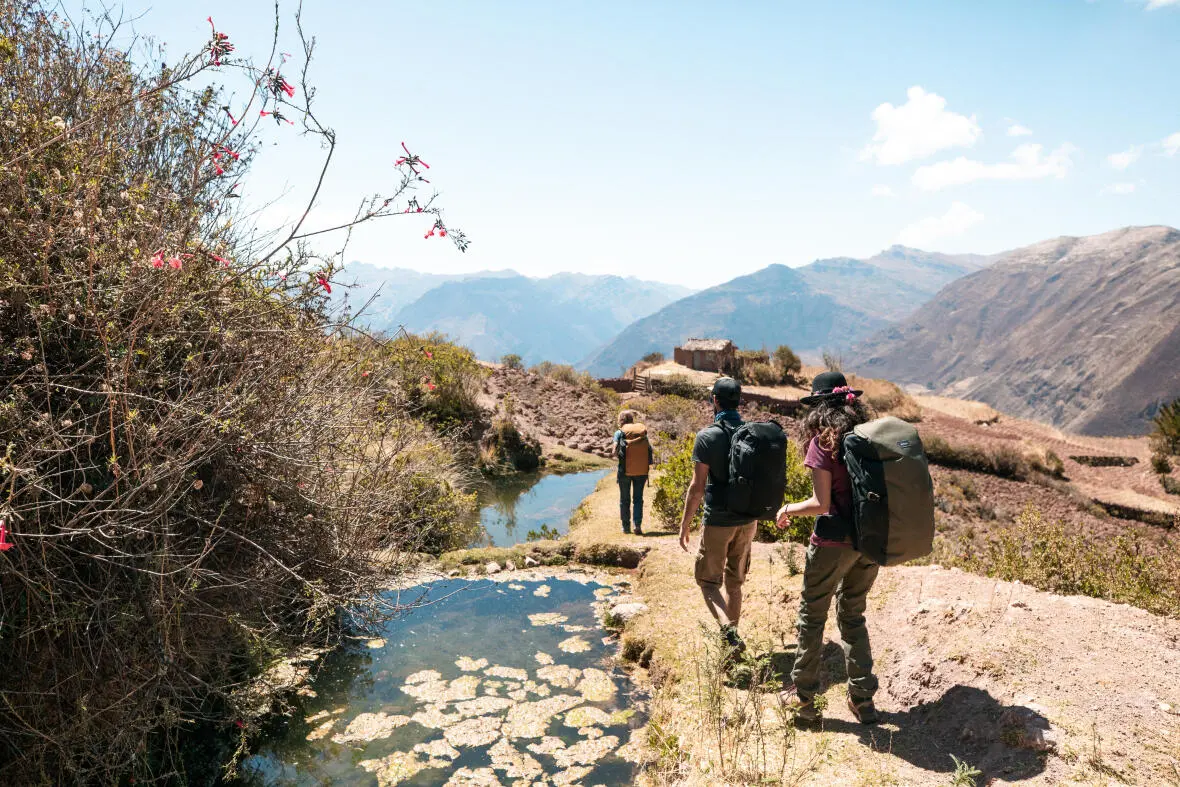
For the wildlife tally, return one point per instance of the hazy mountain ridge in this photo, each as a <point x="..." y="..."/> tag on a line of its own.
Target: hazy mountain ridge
<point x="1083" y="333"/>
<point x="559" y="318"/>
<point x="829" y="303"/>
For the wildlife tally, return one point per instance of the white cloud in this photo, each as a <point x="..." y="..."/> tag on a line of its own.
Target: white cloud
<point x="1172" y="144"/>
<point x="883" y="191"/>
<point x="1125" y="158"/>
<point x="1017" y="130"/>
<point x="922" y="233"/>
<point x="1119" y="188"/>
<point x="1028" y="162"/>
<point x="1154" y="4"/>
<point x="918" y="129"/>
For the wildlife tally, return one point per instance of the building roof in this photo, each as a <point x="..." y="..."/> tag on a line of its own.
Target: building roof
<point x="707" y="345"/>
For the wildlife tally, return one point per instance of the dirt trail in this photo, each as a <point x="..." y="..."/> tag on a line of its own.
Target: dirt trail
<point x="1027" y="687"/>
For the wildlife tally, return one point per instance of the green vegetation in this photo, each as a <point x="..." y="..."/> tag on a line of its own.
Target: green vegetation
<point x="504" y="448"/>
<point x="654" y="357"/>
<point x="1165" y="437"/>
<point x="1127" y="569"/>
<point x="788" y="364"/>
<point x="546" y="533"/>
<point x="680" y="385"/>
<point x="964" y="774"/>
<point x="1161" y="464"/>
<point x="203" y="471"/>
<point x="512" y="361"/>
<point x="761" y="374"/>
<point x="571" y="376"/>
<point x="1170" y="485"/>
<point x="676" y="475"/>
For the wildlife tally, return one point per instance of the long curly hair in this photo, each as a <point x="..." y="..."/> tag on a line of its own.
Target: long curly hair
<point x="832" y="419"/>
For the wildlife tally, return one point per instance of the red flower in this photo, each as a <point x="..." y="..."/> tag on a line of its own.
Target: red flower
<point x="218" y="168"/>
<point x="222" y="260"/>
<point x="324" y="283"/>
<point x="442" y="233"/>
<point x="429" y="354"/>
<point x="430" y="386"/>
<point x="239" y="724"/>
<point x="364" y="374"/>
<point x="5" y="544"/>
<point x="220" y="46"/>
<point x="158" y="259"/>
<point x="175" y="263"/>
<point x="278" y="85"/>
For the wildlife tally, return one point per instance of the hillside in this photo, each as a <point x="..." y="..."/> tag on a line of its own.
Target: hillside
<point x="1082" y="333"/>
<point x="561" y="318"/>
<point x="826" y="304"/>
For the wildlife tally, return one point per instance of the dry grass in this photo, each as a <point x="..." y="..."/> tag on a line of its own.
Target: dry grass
<point x="966" y="409"/>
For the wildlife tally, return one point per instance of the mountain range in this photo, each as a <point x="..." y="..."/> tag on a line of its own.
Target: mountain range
<point x="828" y="304"/>
<point x="1082" y="333"/>
<point x="561" y="318"/>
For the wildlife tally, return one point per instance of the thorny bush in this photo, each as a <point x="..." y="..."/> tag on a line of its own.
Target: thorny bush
<point x="195" y="475"/>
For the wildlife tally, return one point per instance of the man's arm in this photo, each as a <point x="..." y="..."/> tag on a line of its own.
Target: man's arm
<point x="692" y="500"/>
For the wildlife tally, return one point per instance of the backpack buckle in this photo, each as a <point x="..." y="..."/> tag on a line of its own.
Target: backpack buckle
<point x="874" y="497"/>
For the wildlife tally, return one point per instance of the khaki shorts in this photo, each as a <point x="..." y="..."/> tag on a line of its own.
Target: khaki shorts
<point x="724" y="556"/>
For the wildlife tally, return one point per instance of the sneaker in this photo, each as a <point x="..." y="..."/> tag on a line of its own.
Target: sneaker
<point x="864" y="710"/>
<point x="627" y="528"/>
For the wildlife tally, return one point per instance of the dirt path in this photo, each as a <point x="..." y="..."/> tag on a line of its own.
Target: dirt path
<point x="1027" y="687"/>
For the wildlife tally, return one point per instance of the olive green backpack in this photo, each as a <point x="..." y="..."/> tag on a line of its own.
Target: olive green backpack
<point x="892" y="492"/>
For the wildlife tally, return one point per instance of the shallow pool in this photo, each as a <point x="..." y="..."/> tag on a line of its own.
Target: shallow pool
<point x="490" y="682"/>
<point x="511" y="507"/>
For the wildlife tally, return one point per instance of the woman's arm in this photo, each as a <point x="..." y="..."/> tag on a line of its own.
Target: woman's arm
<point x="820" y="500"/>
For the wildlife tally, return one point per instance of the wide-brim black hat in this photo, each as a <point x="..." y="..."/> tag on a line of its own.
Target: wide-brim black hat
<point x="825" y="388"/>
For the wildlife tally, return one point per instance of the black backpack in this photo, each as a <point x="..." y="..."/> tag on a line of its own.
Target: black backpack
<point x="757" y="481"/>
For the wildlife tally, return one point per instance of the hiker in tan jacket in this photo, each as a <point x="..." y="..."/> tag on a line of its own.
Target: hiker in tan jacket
<point x="635" y="456"/>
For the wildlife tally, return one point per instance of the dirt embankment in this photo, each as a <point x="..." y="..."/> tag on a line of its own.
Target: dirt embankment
<point x="556" y="413"/>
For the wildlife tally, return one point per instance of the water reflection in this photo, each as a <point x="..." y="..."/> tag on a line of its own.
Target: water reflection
<point x="491" y="683"/>
<point x="510" y="507"/>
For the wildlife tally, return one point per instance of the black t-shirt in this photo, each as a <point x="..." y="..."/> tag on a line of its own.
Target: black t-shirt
<point x="712" y="448"/>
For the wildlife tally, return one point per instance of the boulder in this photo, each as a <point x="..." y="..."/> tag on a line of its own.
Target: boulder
<point x="531" y="562"/>
<point x="509" y="566"/>
<point x="1025" y="727"/>
<point x="492" y="567"/>
<point x="622" y="614"/>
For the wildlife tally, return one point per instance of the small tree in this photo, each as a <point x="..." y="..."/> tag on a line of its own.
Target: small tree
<point x="654" y="357"/>
<point x="833" y="362"/>
<point x="1166" y="436"/>
<point x="788" y="363"/>
<point x="512" y="361"/>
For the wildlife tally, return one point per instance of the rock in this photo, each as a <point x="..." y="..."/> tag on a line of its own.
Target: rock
<point x="509" y="566"/>
<point x="625" y="613"/>
<point x="1025" y="727"/>
<point x="492" y="567"/>
<point x="454" y="572"/>
<point x="531" y="562"/>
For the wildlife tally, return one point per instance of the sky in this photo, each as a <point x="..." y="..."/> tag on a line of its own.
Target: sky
<point x="692" y="142"/>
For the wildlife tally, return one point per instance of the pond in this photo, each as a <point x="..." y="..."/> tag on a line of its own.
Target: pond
<point x="510" y="507"/>
<point x="491" y="681"/>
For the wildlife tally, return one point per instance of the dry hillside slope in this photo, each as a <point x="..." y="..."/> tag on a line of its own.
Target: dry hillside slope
<point x="1083" y="333"/>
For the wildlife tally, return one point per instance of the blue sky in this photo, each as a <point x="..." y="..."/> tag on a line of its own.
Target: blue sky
<point x="693" y="142"/>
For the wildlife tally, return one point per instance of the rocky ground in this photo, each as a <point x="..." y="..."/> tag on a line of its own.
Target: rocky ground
<point x="556" y="413"/>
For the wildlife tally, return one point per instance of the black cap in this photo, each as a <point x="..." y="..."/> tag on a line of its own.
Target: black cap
<point x="728" y="392"/>
<point x="823" y="386"/>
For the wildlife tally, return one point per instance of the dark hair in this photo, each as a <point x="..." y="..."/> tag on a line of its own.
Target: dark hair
<point x="832" y="419"/>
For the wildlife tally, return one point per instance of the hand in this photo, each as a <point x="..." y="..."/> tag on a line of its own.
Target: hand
<point x="784" y="519"/>
<point x="684" y="537"/>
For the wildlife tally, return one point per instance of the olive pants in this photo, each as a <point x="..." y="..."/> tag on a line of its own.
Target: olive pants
<point x="847" y="575"/>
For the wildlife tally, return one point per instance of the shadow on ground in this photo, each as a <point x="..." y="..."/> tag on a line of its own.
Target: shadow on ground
<point x="966" y="723"/>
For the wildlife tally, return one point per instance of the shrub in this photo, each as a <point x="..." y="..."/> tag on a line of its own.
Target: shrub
<point x="654" y="358"/>
<point x="798" y="489"/>
<point x="512" y="361"/>
<point x="199" y="475"/>
<point x="833" y="362"/>
<point x="1161" y="464"/>
<point x="1052" y="557"/>
<point x="435" y="377"/>
<point x="1170" y="485"/>
<point x="672" y="484"/>
<point x="673" y="416"/>
<point x="1166" y="435"/>
<point x="1000" y="461"/>
<point x="788" y="363"/>
<point x="886" y="398"/>
<point x="505" y="447"/>
<point x="760" y="374"/>
<point x="565" y="373"/>
<point x="679" y="385"/>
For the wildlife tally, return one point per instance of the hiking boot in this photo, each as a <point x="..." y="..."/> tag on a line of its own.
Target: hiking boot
<point x="627" y="528"/>
<point x="806" y="714"/>
<point x="733" y="640"/>
<point x="638" y="528"/>
<point x="864" y="710"/>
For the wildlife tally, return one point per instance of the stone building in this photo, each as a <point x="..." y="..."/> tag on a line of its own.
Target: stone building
<point x="706" y="355"/>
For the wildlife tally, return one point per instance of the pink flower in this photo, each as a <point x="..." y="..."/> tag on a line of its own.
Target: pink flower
<point x="323" y="282"/>
<point x="278" y="85"/>
<point x="158" y="259"/>
<point x="220" y="46"/>
<point x="365" y="374"/>
<point x="5" y="544"/>
<point x="222" y="260"/>
<point x="430" y="386"/>
<point x="429" y="354"/>
<point x="175" y="263"/>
